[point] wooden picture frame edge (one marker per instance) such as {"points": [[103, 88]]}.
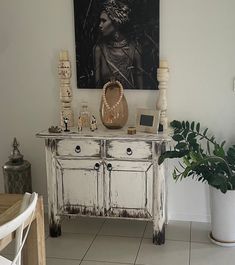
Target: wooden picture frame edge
{"points": [[146, 128]]}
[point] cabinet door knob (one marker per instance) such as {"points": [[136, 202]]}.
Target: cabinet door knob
{"points": [[97, 166], [129, 151], [109, 167], [78, 149]]}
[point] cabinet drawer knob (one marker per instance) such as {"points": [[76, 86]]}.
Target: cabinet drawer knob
{"points": [[129, 151], [78, 149], [109, 167], [97, 166]]}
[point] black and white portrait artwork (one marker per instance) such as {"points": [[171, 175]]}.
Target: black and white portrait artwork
{"points": [[117, 39]]}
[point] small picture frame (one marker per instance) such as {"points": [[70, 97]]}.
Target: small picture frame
{"points": [[147, 120]]}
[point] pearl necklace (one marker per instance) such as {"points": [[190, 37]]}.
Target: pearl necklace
{"points": [[110, 109], [104, 95]]}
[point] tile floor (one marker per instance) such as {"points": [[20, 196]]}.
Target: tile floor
{"points": [[92, 241]]}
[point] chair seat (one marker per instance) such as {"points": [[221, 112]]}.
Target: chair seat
{"points": [[4, 261]]}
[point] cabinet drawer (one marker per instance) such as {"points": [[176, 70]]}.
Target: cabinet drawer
{"points": [[79, 148], [129, 149]]}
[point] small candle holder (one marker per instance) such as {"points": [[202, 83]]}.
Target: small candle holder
{"points": [[162, 77], [66, 95]]}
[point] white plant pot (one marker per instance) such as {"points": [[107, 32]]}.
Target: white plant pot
{"points": [[222, 217]]}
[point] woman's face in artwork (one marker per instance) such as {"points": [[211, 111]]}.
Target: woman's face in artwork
{"points": [[106, 25]]}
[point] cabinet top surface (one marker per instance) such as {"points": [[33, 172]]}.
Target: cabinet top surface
{"points": [[103, 133]]}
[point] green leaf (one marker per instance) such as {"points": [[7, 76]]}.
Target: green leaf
{"points": [[194, 156], [191, 173], [177, 137], [187, 125], [176, 124], [186, 171], [183, 167], [191, 136], [183, 153], [232, 181], [183, 124], [175, 175], [208, 147], [223, 187], [204, 133], [186, 161], [212, 139], [219, 151], [223, 143], [231, 152], [192, 125], [194, 146], [181, 145], [217, 180], [198, 127], [177, 131], [168, 154], [161, 159], [185, 133]]}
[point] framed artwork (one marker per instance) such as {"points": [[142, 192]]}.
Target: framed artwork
{"points": [[147, 120], [117, 39]]}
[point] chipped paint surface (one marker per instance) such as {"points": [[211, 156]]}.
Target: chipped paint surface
{"points": [[120, 149], [73, 209], [79, 148], [130, 213], [106, 173]]}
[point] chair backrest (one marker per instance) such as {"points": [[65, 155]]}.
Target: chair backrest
{"points": [[17, 224]]}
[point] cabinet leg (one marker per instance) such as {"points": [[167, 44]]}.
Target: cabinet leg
{"points": [[55, 230], [159, 236], [54, 226]]}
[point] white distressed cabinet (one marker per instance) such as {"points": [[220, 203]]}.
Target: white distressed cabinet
{"points": [[106, 173]]}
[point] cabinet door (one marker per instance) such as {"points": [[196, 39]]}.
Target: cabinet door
{"points": [[129, 188], [79, 184]]}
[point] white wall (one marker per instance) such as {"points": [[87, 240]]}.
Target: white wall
{"points": [[197, 38]]}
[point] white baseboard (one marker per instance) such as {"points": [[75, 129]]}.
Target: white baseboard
{"points": [[189, 217]]}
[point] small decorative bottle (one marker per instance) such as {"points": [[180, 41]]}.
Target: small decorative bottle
{"points": [[85, 115]]}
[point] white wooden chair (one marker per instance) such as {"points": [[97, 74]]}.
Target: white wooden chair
{"points": [[17, 224]]}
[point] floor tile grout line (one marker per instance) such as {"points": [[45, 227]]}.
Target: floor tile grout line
{"points": [[130, 236], [113, 262], [142, 238], [52, 257], [92, 241], [88, 249]]}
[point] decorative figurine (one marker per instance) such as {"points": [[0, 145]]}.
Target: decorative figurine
{"points": [[66, 96], [66, 120], [93, 123], [79, 123]]}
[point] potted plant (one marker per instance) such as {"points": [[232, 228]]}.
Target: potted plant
{"points": [[204, 159]]}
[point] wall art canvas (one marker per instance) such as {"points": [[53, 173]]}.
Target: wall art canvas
{"points": [[117, 39]]}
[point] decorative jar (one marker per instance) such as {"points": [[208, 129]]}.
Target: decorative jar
{"points": [[113, 107], [17, 172]]}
